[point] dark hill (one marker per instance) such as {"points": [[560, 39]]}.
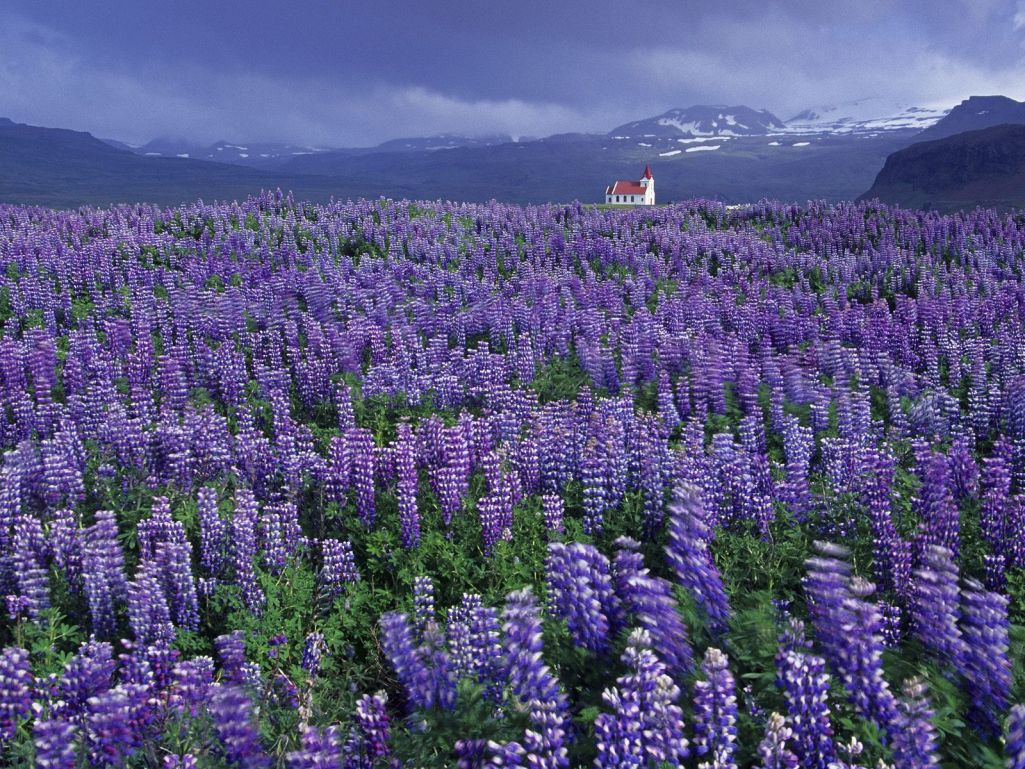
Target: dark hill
{"points": [[976, 168], [974, 114], [60, 168]]}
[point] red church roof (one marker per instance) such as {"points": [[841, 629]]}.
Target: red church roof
{"points": [[647, 172], [625, 188]]}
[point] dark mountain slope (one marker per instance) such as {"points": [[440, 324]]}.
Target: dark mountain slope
{"points": [[974, 114], [60, 168], [976, 168]]}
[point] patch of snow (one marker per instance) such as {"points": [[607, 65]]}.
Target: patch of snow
{"points": [[151, 154], [865, 115], [264, 154], [703, 147], [800, 144], [690, 127], [670, 153], [642, 144], [773, 144], [243, 154], [183, 154]]}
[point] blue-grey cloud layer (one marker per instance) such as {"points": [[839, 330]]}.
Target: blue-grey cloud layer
{"points": [[343, 72]]}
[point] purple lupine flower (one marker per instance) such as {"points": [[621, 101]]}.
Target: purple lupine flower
{"points": [[336, 481], [453, 477], [178, 583], [66, 543], [320, 750], [56, 744], [232, 714], [213, 533], [773, 750], [964, 472], [475, 645], [850, 631], [440, 681], [826, 587], [995, 567], [338, 568], [86, 675], [399, 647], [1014, 739], [192, 681], [650, 603], [423, 670], [691, 559], [244, 549], [996, 493], [360, 449], [715, 712], [372, 721], [544, 744], [407, 486], [580, 591], [184, 761], [423, 603], [651, 474], [29, 569], [231, 650], [148, 614], [16, 684], [805, 687], [937, 510], [914, 740], [799, 445], [313, 651], [271, 537], [491, 512], [891, 559], [473, 753], [103, 572], [552, 508], [529, 677], [593, 471], [986, 663], [934, 608], [117, 723]]}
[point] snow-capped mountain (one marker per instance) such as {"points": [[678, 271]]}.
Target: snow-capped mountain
{"points": [[263, 154], [273, 155], [702, 121], [865, 116], [974, 114], [440, 142]]}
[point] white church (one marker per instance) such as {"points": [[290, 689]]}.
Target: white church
{"points": [[639, 193]]}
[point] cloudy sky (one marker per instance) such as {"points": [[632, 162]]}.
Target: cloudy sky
{"points": [[344, 73]]}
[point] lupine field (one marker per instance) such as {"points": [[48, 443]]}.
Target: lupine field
{"points": [[388, 484]]}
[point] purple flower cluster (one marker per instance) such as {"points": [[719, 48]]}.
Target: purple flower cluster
{"points": [[689, 556], [715, 713], [645, 726], [221, 380]]}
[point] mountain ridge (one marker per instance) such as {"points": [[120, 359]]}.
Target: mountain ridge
{"points": [[984, 167]]}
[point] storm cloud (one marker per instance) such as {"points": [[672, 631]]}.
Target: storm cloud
{"points": [[347, 73]]}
